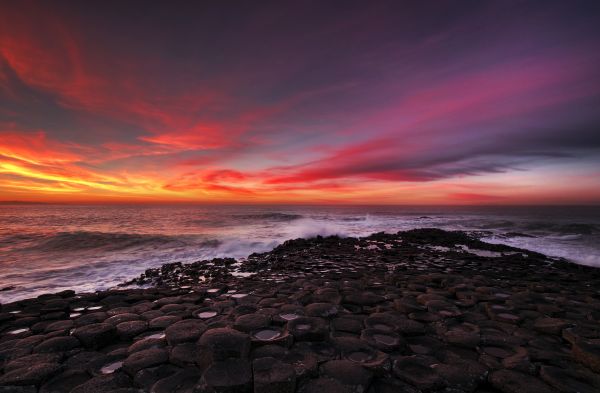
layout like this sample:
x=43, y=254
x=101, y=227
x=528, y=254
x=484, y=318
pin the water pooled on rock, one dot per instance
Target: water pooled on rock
x=267, y=334
x=111, y=368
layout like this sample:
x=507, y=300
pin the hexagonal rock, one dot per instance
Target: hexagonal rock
x=183, y=354
x=308, y=329
x=514, y=382
x=231, y=375
x=104, y=384
x=408, y=305
x=221, y=344
x=363, y=298
x=163, y=322
x=59, y=325
x=33, y=374
x=180, y=382
x=185, y=331
x=383, y=340
x=350, y=325
x=36, y=358
x=568, y=381
x=418, y=373
x=94, y=317
x=147, y=377
x=65, y=381
x=130, y=329
x=250, y=322
x=550, y=325
x=324, y=384
x=97, y=335
x=124, y=317
x=443, y=308
x=273, y=376
x=323, y=310
x=393, y=385
x=464, y=335
x=348, y=373
x=144, y=359
x=464, y=374
x=361, y=353
x=519, y=362
x=305, y=363
x=578, y=333
x=587, y=354
x=57, y=344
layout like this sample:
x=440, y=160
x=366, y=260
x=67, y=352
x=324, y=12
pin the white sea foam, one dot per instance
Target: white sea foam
x=51, y=247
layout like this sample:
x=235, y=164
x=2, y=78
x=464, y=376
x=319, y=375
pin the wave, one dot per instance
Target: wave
x=570, y=228
x=308, y=228
x=83, y=240
x=269, y=216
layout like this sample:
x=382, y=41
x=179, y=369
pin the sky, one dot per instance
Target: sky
x=382, y=102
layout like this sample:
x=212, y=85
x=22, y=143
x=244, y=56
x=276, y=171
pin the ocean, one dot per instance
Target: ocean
x=48, y=248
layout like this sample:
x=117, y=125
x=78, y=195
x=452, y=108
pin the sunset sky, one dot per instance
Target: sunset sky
x=442, y=102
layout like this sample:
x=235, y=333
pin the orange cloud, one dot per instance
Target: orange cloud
x=35, y=148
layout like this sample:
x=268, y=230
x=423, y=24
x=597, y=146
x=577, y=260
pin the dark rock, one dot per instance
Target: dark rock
x=97, y=335
x=57, y=344
x=185, y=331
x=348, y=373
x=63, y=326
x=587, y=354
x=130, y=329
x=360, y=352
x=462, y=374
x=251, y=322
x=26, y=361
x=123, y=317
x=305, y=363
x=182, y=381
x=220, y=344
x=392, y=385
x=147, y=377
x=231, y=375
x=363, y=298
x=273, y=376
x=514, y=382
x=308, y=329
x=550, y=325
x=18, y=389
x=183, y=355
x=569, y=381
x=33, y=374
x=163, y=322
x=350, y=325
x=90, y=318
x=464, y=335
x=323, y=384
x=148, y=343
x=383, y=340
x=104, y=384
x=144, y=359
x=323, y=310
x=65, y=381
x=418, y=373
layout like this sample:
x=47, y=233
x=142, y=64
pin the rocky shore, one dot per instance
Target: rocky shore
x=418, y=311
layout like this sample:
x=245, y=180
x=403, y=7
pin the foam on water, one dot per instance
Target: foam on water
x=48, y=248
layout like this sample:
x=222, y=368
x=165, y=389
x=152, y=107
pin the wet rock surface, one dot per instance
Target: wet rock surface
x=417, y=311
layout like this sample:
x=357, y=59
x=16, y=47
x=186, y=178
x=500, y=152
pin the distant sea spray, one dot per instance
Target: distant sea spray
x=45, y=248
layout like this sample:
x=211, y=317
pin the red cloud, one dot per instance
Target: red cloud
x=35, y=148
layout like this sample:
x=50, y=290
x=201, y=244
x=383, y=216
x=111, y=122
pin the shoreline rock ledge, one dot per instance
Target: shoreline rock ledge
x=418, y=311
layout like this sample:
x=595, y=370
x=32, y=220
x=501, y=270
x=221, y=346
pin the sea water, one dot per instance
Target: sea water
x=48, y=248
